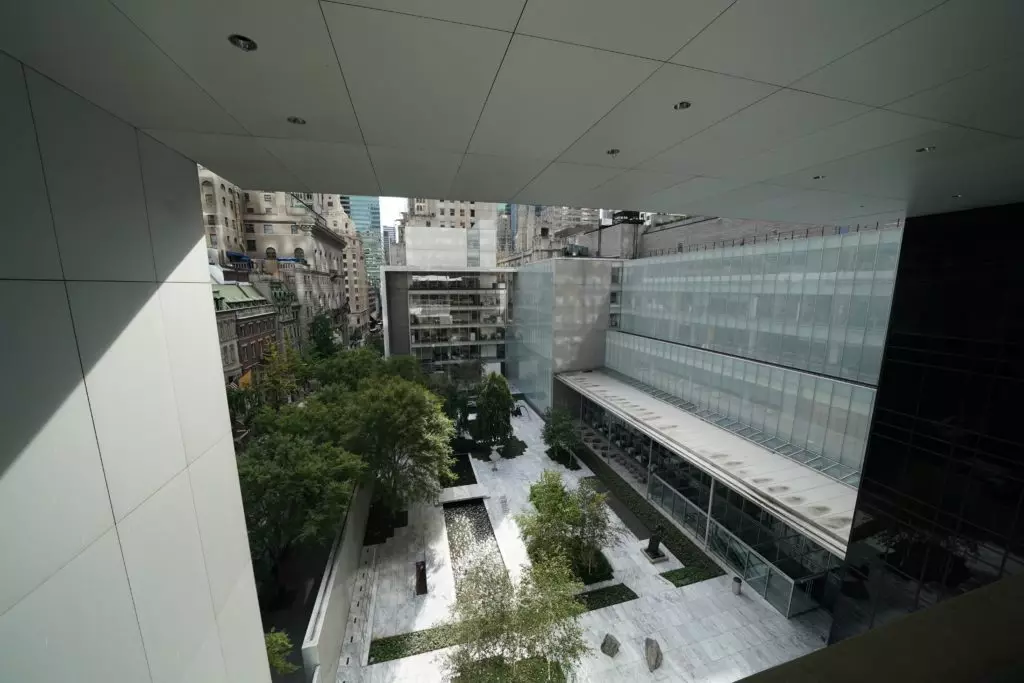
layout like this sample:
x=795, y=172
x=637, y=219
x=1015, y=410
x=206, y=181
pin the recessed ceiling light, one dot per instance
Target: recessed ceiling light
x=679, y=106
x=957, y=196
x=614, y=151
x=817, y=177
x=243, y=43
x=929, y=148
x=296, y=120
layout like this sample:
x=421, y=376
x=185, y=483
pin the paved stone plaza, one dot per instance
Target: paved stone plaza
x=706, y=633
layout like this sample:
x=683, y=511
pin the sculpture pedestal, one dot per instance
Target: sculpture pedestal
x=655, y=559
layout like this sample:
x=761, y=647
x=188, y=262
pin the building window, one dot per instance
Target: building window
x=472, y=213
x=209, y=199
x=451, y=212
x=300, y=254
x=225, y=221
x=543, y=232
x=295, y=230
x=211, y=220
x=249, y=209
x=250, y=245
x=428, y=224
x=268, y=229
x=330, y=204
x=271, y=253
x=462, y=212
x=267, y=197
x=268, y=210
x=223, y=201
x=250, y=228
x=213, y=240
x=246, y=196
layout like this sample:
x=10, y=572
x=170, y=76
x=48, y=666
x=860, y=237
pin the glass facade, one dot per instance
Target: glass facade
x=792, y=572
x=532, y=352
x=940, y=510
x=818, y=421
x=819, y=303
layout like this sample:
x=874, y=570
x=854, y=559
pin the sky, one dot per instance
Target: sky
x=391, y=209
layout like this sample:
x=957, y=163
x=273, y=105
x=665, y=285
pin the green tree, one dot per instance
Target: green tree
x=279, y=646
x=348, y=367
x=560, y=435
x=375, y=341
x=244, y=403
x=406, y=367
x=509, y=628
x=277, y=382
x=321, y=333
x=575, y=524
x=294, y=492
x=494, y=405
x=402, y=433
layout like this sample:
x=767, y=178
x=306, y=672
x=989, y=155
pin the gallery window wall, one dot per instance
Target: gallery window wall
x=818, y=303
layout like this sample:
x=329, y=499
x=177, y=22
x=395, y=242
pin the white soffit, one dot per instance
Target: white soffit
x=506, y=100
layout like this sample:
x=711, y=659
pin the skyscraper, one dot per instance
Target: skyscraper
x=365, y=213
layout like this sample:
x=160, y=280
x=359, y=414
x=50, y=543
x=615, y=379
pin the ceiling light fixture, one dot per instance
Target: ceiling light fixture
x=243, y=43
x=296, y=120
x=817, y=177
x=929, y=148
x=957, y=196
x=614, y=151
x=679, y=106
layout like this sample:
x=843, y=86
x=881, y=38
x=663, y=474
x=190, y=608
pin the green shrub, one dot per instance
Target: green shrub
x=686, y=576
x=600, y=571
x=532, y=669
x=607, y=596
x=409, y=644
x=675, y=540
x=279, y=646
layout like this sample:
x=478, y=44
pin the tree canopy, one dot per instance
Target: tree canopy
x=494, y=405
x=505, y=627
x=294, y=490
x=321, y=334
x=559, y=434
x=402, y=433
x=575, y=524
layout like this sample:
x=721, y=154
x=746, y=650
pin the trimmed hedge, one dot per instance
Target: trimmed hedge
x=532, y=669
x=409, y=644
x=675, y=540
x=607, y=596
x=684, y=577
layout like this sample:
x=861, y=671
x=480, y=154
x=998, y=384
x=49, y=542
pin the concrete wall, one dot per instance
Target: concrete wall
x=124, y=550
x=321, y=647
x=396, y=319
x=582, y=297
x=436, y=247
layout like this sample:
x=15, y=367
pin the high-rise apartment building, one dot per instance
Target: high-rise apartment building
x=442, y=233
x=223, y=207
x=447, y=316
x=389, y=236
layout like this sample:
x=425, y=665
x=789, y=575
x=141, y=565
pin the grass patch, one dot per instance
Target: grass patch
x=685, y=550
x=607, y=596
x=532, y=669
x=409, y=644
x=463, y=470
x=685, y=576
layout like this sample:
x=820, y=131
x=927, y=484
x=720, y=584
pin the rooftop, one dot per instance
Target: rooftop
x=809, y=500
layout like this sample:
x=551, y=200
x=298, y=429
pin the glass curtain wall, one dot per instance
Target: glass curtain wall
x=792, y=572
x=820, y=422
x=819, y=303
x=531, y=344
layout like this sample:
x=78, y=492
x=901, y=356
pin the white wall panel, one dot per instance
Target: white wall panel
x=45, y=520
x=164, y=559
x=91, y=161
x=79, y=626
x=193, y=350
x=27, y=230
x=123, y=345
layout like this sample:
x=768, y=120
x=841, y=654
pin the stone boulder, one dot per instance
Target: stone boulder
x=610, y=645
x=652, y=653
